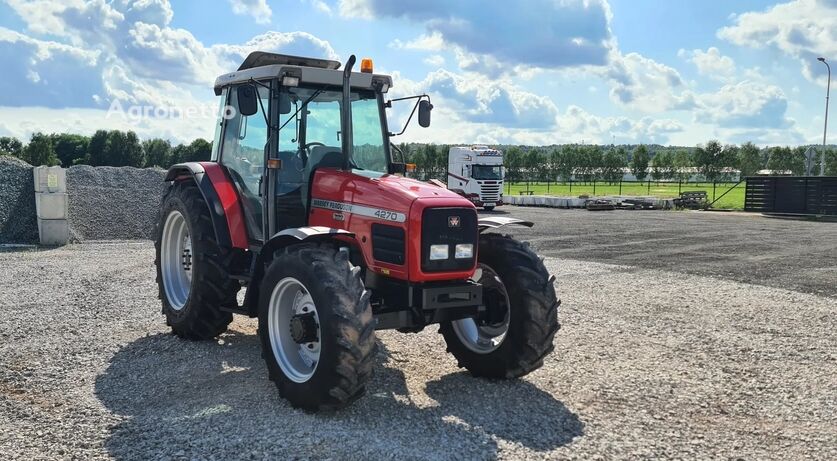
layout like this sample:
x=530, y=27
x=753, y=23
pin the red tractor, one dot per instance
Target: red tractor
x=304, y=204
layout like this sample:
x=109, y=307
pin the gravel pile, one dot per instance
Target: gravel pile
x=113, y=203
x=18, y=220
x=699, y=367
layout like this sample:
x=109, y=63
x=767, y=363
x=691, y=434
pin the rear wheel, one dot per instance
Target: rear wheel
x=191, y=275
x=514, y=335
x=316, y=327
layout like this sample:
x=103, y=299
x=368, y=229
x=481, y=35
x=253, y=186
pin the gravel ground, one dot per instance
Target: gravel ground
x=113, y=203
x=18, y=221
x=699, y=367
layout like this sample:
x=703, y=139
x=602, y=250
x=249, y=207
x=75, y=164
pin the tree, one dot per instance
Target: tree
x=784, y=159
x=639, y=162
x=681, y=166
x=567, y=162
x=40, y=151
x=712, y=159
x=663, y=166
x=96, y=148
x=554, y=164
x=200, y=150
x=831, y=162
x=157, y=153
x=514, y=163
x=533, y=162
x=11, y=146
x=612, y=164
x=70, y=148
x=749, y=159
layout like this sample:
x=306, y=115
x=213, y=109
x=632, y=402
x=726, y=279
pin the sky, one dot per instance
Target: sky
x=535, y=72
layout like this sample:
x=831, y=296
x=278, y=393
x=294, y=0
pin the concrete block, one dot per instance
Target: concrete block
x=50, y=179
x=53, y=231
x=51, y=206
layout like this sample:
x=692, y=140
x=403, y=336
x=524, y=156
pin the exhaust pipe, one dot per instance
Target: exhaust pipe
x=346, y=113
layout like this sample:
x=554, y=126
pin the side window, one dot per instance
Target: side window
x=243, y=144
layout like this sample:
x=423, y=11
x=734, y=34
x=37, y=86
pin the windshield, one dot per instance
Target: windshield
x=487, y=172
x=315, y=130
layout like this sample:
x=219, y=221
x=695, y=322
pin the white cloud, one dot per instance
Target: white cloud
x=747, y=105
x=435, y=60
x=711, y=63
x=544, y=34
x=643, y=84
x=321, y=6
x=803, y=29
x=258, y=9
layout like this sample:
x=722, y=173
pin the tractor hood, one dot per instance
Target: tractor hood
x=386, y=191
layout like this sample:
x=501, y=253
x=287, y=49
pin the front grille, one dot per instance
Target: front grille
x=388, y=244
x=490, y=192
x=437, y=228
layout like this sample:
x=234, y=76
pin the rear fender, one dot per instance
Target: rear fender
x=493, y=222
x=221, y=198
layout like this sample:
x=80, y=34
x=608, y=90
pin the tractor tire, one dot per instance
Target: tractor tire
x=514, y=276
x=316, y=327
x=191, y=267
x=488, y=208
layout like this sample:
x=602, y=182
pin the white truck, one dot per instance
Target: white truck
x=476, y=173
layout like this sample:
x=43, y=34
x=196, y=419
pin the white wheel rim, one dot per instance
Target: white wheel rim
x=176, y=260
x=297, y=361
x=483, y=339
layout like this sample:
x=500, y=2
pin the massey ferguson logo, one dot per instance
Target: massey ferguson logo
x=453, y=221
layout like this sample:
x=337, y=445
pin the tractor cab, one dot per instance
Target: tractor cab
x=287, y=117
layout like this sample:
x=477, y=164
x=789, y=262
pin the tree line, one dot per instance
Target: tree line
x=712, y=161
x=104, y=148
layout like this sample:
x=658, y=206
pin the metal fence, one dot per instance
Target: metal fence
x=806, y=195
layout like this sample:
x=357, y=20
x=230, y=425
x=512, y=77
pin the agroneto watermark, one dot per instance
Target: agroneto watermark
x=136, y=113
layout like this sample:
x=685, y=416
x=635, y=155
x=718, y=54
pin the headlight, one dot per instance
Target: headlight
x=438, y=252
x=464, y=251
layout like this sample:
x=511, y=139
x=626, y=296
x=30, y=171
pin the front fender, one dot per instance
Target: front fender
x=302, y=234
x=493, y=222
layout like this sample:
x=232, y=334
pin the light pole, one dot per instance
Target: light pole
x=825, y=127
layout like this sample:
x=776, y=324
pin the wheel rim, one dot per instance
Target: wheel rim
x=481, y=337
x=297, y=360
x=176, y=260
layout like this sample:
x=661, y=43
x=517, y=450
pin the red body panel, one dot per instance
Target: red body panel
x=229, y=202
x=392, y=193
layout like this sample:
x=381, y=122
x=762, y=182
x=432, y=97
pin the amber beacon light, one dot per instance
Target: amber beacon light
x=366, y=65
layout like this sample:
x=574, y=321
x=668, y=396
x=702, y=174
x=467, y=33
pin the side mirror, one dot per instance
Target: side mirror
x=248, y=103
x=424, y=113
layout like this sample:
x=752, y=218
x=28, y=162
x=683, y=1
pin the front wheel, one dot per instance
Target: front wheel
x=516, y=331
x=316, y=327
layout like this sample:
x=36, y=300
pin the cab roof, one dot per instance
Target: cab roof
x=261, y=65
x=263, y=58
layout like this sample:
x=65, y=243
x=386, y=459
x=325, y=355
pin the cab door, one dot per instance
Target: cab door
x=242, y=152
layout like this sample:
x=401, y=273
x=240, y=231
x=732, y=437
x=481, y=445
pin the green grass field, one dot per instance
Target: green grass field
x=734, y=200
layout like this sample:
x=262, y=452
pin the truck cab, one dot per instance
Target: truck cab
x=476, y=173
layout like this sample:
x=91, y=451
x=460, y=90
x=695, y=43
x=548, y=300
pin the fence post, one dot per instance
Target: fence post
x=594, y=187
x=649, y=187
x=620, y=186
x=571, y=186
x=547, y=186
x=713, y=189
x=679, y=186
